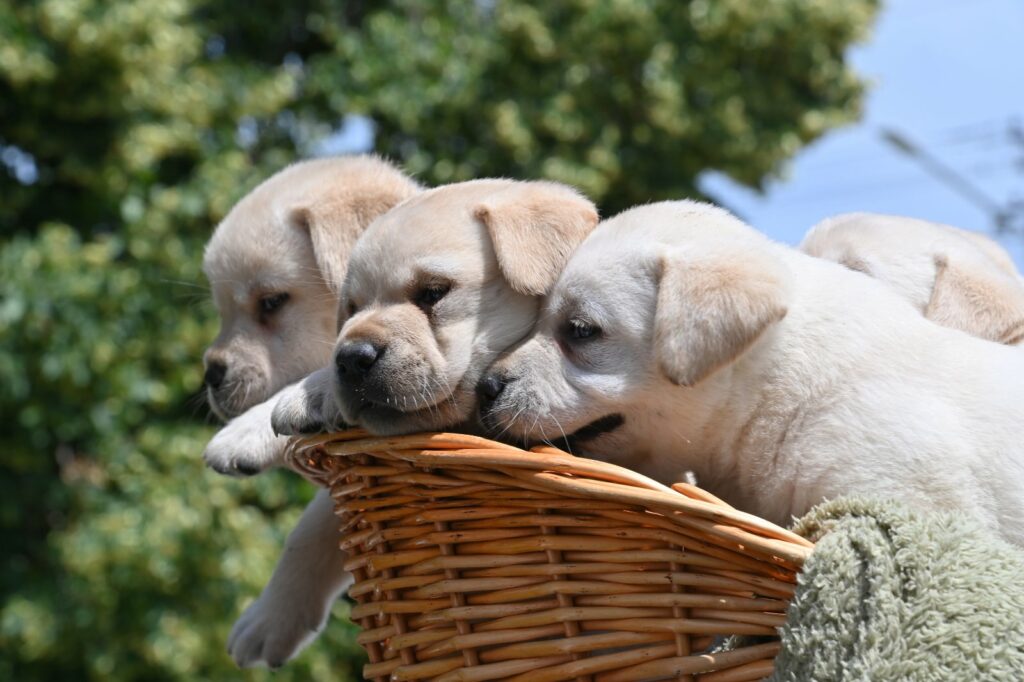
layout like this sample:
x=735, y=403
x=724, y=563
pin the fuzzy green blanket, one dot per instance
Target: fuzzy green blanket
x=889, y=594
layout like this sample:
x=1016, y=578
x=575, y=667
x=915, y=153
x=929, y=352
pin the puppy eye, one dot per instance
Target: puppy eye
x=579, y=329
x=428, y=296
x=351, y=309
x=271, y=303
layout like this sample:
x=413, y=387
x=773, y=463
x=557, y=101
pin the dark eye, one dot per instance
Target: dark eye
x=271, y=303
x=352, y=309
x=428, y=296
x=579, y=329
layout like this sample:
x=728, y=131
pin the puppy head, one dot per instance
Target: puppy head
x=438, y=287
x=660, y=297
x=276, y=264
x=956, y=278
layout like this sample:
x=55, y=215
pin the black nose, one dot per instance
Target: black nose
x=215, y=373
x=355, y=359
x=488, y=390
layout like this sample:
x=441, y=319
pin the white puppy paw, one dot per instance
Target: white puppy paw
x=308, y=406
x=271, y=633
x=246, y=445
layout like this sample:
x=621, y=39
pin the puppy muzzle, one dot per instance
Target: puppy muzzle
x=488, y=393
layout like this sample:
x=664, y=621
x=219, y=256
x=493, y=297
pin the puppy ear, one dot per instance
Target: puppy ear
x=335, y=223
x=711, y=311
x=535, y=227
x=977, y=298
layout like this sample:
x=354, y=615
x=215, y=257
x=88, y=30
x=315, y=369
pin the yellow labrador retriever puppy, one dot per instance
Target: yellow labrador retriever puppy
x=436, y=289
x=276, y=264
x=956, y=278
x=679, y=338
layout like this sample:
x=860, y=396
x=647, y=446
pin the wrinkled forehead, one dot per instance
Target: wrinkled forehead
x=420, y=238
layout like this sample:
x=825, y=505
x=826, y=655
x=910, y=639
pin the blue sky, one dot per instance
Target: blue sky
x=949, y=74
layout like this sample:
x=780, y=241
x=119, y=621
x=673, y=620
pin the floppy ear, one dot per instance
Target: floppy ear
x=711, y=311
x=335, y=223
x=535, y=227
x=978, y=299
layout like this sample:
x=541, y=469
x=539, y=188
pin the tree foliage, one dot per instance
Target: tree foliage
x=128, y=128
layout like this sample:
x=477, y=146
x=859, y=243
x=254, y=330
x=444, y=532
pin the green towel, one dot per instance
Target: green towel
x=891, y=594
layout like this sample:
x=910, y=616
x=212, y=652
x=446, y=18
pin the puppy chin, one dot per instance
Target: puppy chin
x=512, y=422
x=514, y=417
x=499, y=421
x=389, y=421
x=526, y=429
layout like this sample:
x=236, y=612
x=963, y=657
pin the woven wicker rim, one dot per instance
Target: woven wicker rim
x=430, y=611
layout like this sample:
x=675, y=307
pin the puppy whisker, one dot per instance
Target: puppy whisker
x=191, y=285
x=565, y=438
x=509, y=423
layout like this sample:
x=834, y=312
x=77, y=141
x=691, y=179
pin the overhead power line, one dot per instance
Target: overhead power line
x=1004, y=217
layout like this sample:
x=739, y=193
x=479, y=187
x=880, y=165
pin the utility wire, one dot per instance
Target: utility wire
x=1003, y=217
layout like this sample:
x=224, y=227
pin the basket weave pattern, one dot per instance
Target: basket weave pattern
x=475, y=560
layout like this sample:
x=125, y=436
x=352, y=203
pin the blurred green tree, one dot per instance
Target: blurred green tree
x=128, y=128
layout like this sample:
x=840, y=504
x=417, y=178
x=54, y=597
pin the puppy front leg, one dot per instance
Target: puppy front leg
x=257, y=439
x=295, y=604
x=247, y=445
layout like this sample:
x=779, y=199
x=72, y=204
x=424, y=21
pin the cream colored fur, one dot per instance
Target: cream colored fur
x=291, y=235
x=956, y=278
x=497, y=245
x=780, y=379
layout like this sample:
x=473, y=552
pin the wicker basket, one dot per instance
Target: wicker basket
x=475, y=560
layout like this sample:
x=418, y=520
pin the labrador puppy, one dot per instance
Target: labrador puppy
x=679, y=338
x=956, y=278
x=276, y=264
x=436, y=289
